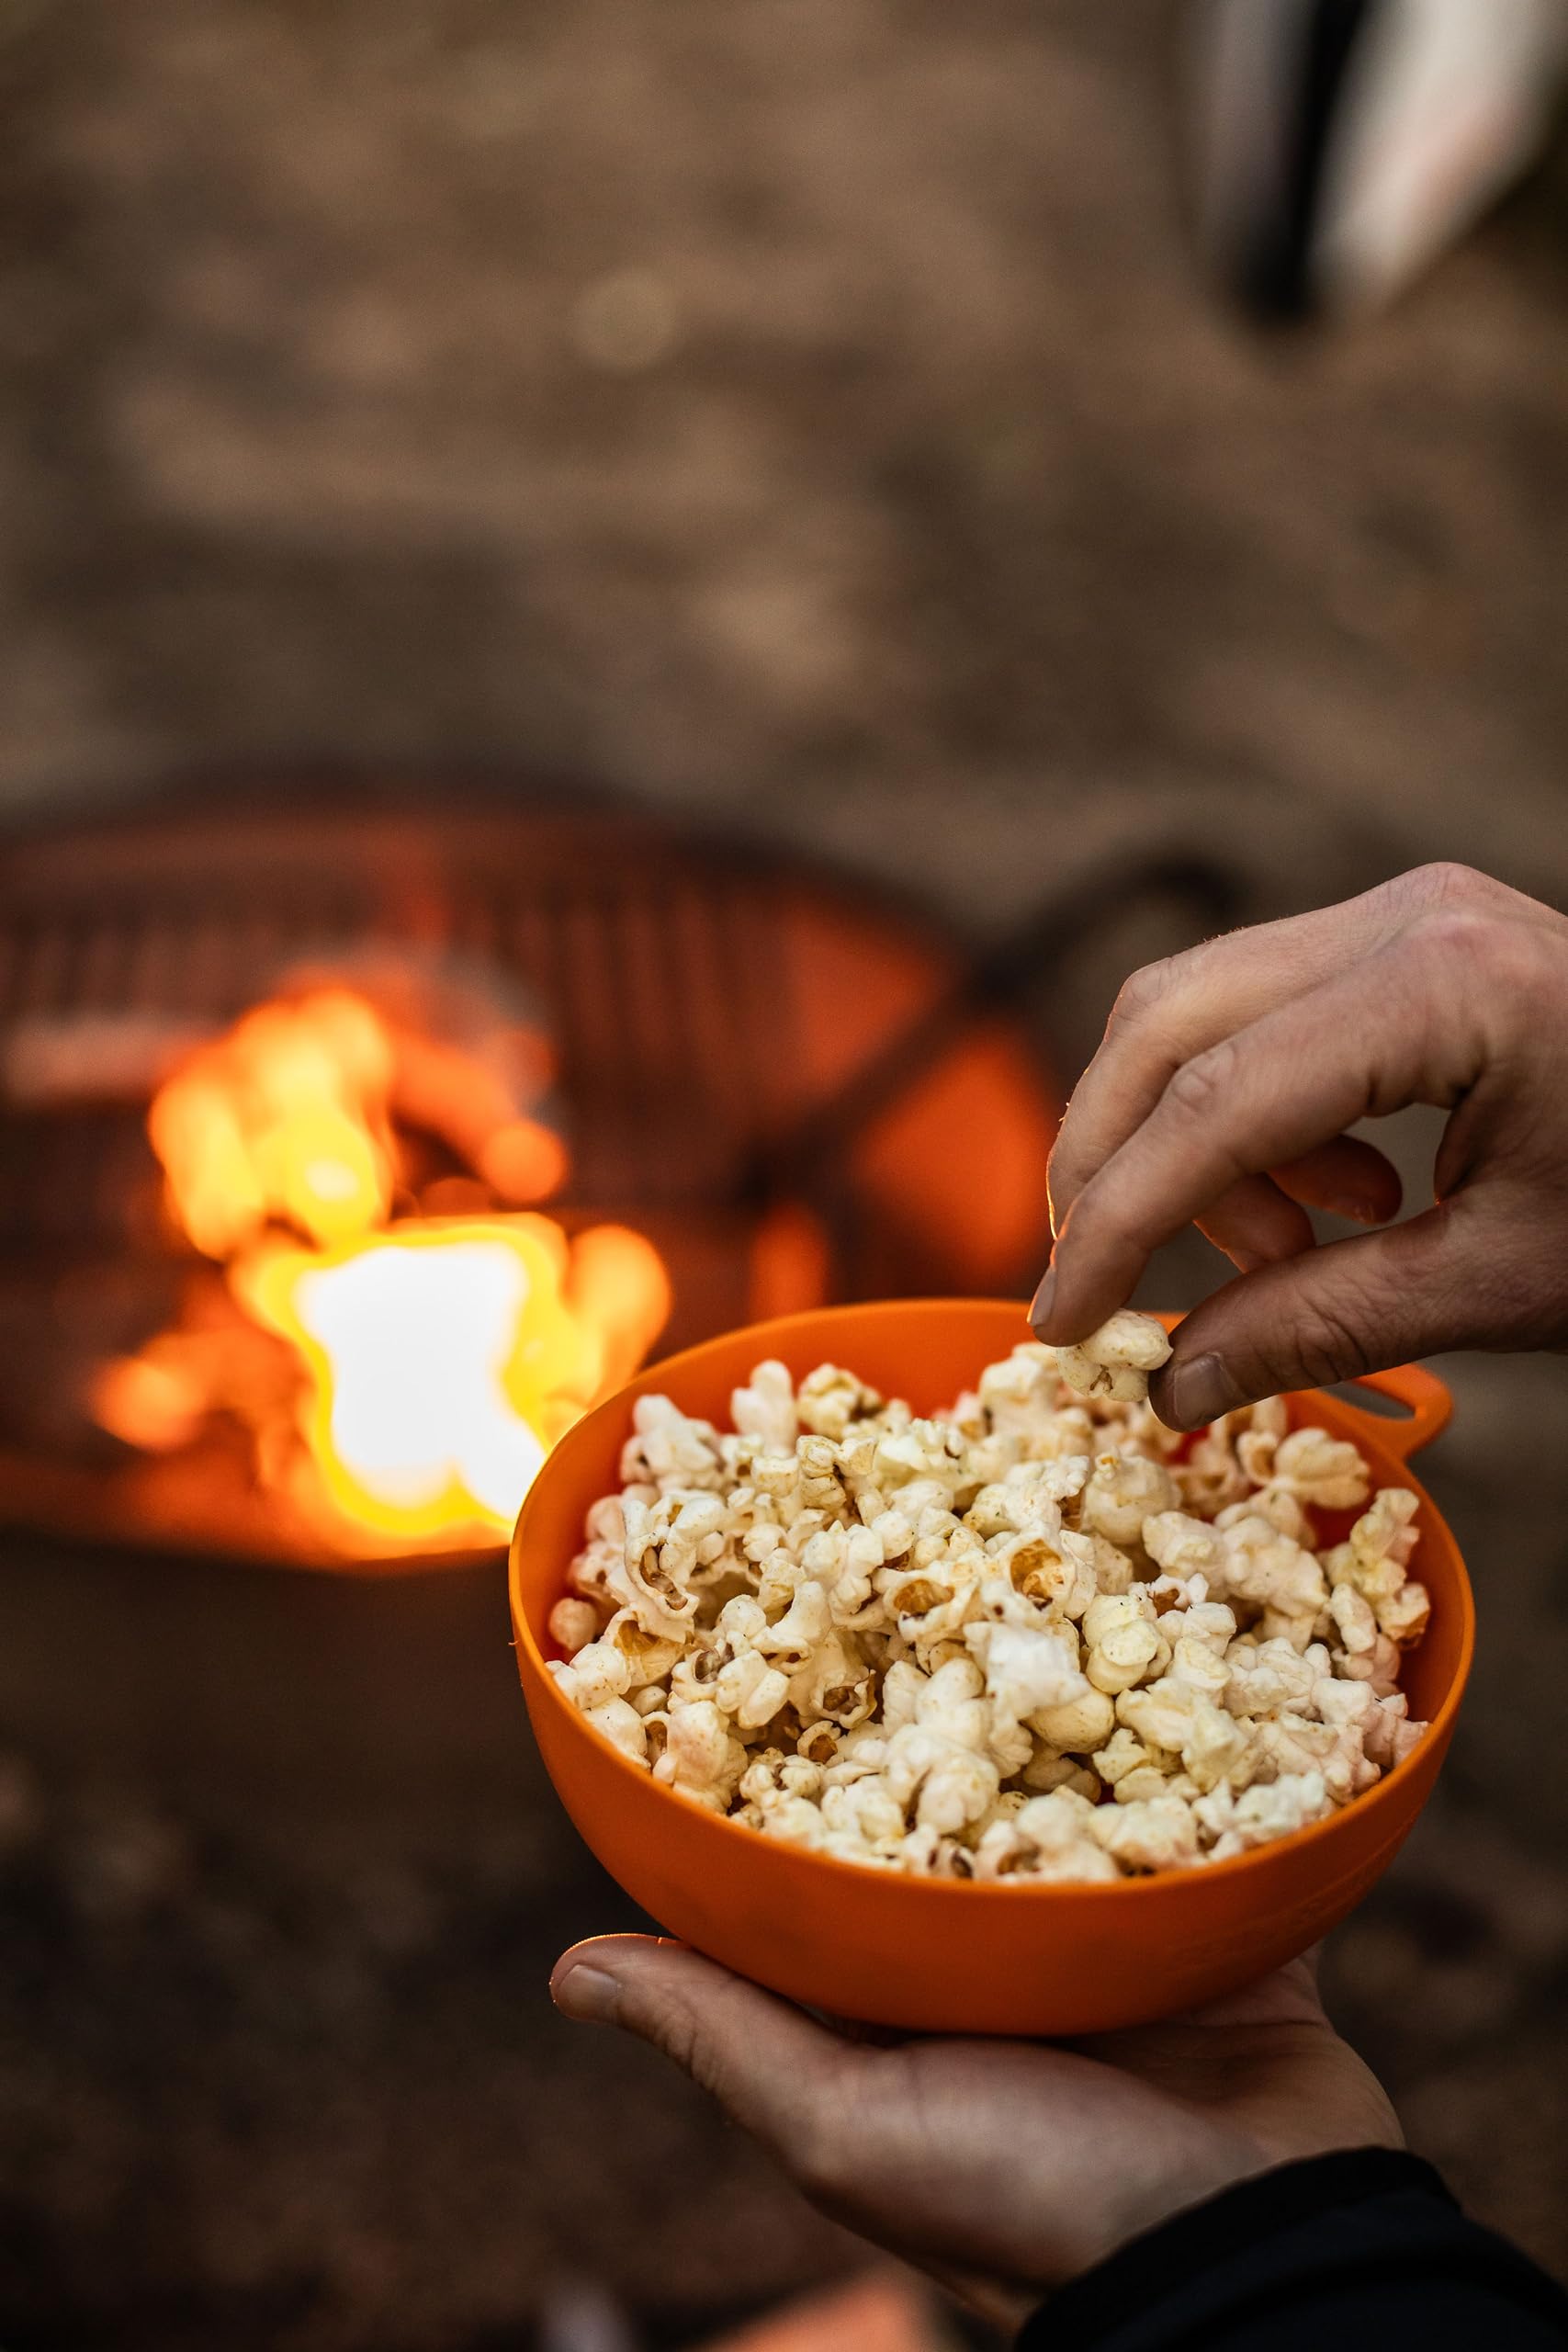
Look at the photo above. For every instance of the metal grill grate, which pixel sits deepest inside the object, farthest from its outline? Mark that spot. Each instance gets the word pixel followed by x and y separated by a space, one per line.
pixel 656 972
pixel 794 1091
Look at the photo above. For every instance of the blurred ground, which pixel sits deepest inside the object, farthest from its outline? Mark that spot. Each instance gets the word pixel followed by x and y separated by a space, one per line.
pixel 804 418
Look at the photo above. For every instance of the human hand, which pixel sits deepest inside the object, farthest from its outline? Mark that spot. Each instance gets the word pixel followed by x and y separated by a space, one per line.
pixel 1220 1094
pixel 1003 2168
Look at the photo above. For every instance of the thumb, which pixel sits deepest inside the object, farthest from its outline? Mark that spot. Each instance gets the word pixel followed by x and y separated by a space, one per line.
pixel 1334 1313
pixel 780 2077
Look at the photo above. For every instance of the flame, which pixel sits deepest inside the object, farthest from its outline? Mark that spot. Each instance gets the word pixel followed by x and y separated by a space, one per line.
pixel 288 1119
pixel 445 1359
pixel 432 1359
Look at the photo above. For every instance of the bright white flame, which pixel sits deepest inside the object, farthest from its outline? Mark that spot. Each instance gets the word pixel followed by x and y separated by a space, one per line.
pixel 420 1341
pixel 436 1359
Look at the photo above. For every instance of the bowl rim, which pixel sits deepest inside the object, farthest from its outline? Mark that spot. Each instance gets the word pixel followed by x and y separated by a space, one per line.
pixel 1128 1889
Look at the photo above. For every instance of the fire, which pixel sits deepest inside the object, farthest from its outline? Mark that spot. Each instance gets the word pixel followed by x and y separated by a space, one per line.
pixel 447 1357
pixel 286 1119
pixel 432 1359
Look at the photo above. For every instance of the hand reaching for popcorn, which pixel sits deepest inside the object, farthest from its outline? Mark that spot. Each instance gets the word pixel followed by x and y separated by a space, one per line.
pixel 1221 1095
pixel 1001 2168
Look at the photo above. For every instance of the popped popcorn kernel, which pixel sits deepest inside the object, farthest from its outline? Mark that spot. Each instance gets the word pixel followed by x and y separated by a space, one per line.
pixel 1116 1360
pixel 1036 1639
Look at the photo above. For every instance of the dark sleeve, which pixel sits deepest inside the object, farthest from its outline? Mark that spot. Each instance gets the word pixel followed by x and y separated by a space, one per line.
pixel 1364 2251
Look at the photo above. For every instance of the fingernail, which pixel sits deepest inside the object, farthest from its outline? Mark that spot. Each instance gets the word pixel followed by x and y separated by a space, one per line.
pixel 1040 1308
pixel 1200 1391
pixel 589 1995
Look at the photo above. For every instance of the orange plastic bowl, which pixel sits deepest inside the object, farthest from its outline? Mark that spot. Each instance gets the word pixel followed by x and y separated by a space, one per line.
pixel 945 1955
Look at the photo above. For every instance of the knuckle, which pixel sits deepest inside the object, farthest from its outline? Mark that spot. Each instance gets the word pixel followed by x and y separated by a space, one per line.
pixel 674 2026
pixel 821 2154
pixel 1527 964
pixel 1446 883
pixel 1327 1344
pixel 1518 964
pixel 1453 932
pixel 1200 1086
pixel 1142 992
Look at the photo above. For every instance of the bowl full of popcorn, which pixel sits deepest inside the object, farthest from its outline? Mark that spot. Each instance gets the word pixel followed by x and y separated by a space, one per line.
pixel 920 1672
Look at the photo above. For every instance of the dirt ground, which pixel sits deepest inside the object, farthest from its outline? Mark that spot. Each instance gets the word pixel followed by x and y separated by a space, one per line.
pixel 805 419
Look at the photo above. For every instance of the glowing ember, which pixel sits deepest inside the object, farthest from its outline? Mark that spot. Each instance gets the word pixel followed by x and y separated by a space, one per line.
pixel 433 1360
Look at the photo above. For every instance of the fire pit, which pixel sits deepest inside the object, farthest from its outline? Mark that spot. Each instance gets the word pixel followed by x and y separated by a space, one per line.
pixel 350 1152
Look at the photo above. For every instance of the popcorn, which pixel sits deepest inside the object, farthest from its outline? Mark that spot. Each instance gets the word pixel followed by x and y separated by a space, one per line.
pixel 1373 1563
pixel 1320 1469
pixel 766 1410
pixel 1231 1825
pixel 830 1399
pixel 1047 1839
pixel 1124 1490
pixel 1125 1645
pixel 702 1757
pixel 623 1726
pixel 1154 1834
pixel 1037 1639
pixel 1116 1360
pixel 1026 1670
pixel 1077 1726
pixel 573 1623
pixel 667 1450
pixel 1265 1678
pixel 1060 1772
pixel 1132 1768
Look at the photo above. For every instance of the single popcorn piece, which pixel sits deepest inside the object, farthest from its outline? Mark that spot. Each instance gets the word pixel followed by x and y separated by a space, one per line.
pixel 766 1409
pixel 1124 1643
pixel 1116 1360
pixel 1077 1726
pixel 622 1726
pixel 1320 1469
pixel 1134 1769
pixel 1156 1833
pixel 1184 1546
pixel 1124 1490
pixel 573 1623
pixel 830 1399
pixel 1027 1669
pixel 667 1450
pixel 1036 1639
pixel 1259 1429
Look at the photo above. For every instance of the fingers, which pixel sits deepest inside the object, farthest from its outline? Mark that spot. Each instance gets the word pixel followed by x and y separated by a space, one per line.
pixel 1348 1177
pixel 1354 1306
pixel 1366 1043
pixel 779 2075
pixel 1169 1011
pixel 1260 1219
pixel 1254 1222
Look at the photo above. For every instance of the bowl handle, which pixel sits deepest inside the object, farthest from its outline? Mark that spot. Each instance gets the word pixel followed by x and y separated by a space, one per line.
pixel 1430 1401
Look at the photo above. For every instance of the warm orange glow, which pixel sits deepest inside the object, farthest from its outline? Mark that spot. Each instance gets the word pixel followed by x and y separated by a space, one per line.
pixel 149 1400
pixel 404 1377
pixel 284 1119
pixel 445 1359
